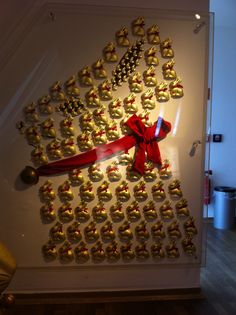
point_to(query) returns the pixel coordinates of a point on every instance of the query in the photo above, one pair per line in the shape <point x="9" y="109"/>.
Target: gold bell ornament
<point x="174" y="189"/>
<point x="189" y="227"/>
<point x="140" y="192"/>
<point x="188" y="246"/>
<point x="38" y="156"/>
<point x="103" y="192"/>
<point x="135" y="82"/>
<point x="84" y="141"/>
<point x="176" y="88"/>
<point x="141" y="252"/>
<point x="67" y="128"/>
<point x="105" y="90"/>
<point x="133" y="211"/>
<point x="99" y="136"/>
<point x="95" y="172"/>
<point x="86" y="121"/>
<point x="125" y="159"/>
<point x="33" y="135"/>
<point x="181" y="207"/>
<point x="48" y="212"/>
<point x="172" y="250"/>
<point x="116" y="108"/>
<point x="157" y="231"/>
<point x="45" y="106"/>
<point x="92" y="97"/>
<point x="98" y="253"/>
<point x="107" y="232"/>
<point x="153" y="37"/>
<point x="147" y="99"/>
<point x="127" y="252"/>
<point x="168" y="70"/>
<point x="54" y="149"/>
<point x="73" y="232"/>
<point x="71" y="88"/>
<point x="150" y="56"/>
<point x="99" y="71"/>
<point x="162" y="94"/>
<point x="166" y="48"/>
<point x="76" y="177"/>
<point x="85" y="77"/>
<point x="116" y="212"/>
<point x="165" y="171"/>
<point x="124" y="128"/>
<point x="66" y="253"/>
<point x="49" y="250"/>
<point x="149" y="172"/>
<point x="68" y="146"/>
<point x="149" y="76"/>
<point x="157" y="250"/>
<point x="166" y="210"/>
<point x="57" y="233"/>
<point x="90" y="232"/>
<point x="47" y="127"/>
<point x="113" y="172"/>
<point x="141" y="232"/>
<point x="138" y="27"/>
<point x="112" y="131"/>
<point x="109" y="52"/>
<point x="65" y="212"/>
<point x="86" y="191"/>
<point x="122" y="37"/>
<point x="125" y="232"/>
<point x="112" y="252"/>
<point x="82" y="212"/>
<point x="100" y="116"/>
<point x="99" y="212"/>
<point x="174" y="231"/>
<point x="64" y="191"/>
<point x="149" y="211"/>
<point x="131" y="174"/>
<point x="144" y="115"/>
<point x="122" y="191"/>
<point x="46" y="192"/>
<point x="81" y="253"/>
<point x="56" y="92"/>
<point x="31" y="114"/>
<point x="130" y="104"/>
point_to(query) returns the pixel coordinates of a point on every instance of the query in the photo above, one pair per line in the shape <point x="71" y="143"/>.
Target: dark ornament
<point x="29" y="175"/>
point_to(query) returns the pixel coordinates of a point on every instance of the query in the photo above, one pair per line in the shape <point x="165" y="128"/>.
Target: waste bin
<point x="224" y="207"/>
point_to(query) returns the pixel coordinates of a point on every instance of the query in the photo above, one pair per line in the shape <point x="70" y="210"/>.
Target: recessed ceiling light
<point x="197" y="16"/>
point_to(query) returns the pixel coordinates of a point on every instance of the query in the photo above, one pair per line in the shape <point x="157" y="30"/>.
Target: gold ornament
<point x="176" y="88"/>
<point x="86" y="192"/>
<point x="85" y="78"/>
<point x="122" y="37"/>
<point x="112" y="131"/>
<point x="173" y="230"/>
<point x="57" y="233"/>
<point x="84" y="141"/>
<point x="153" y="35"/>
<point x="100" y="116"/>
<point x="113" y="172"/>
<point x="157" y="231"/>
<point x="65" y="192"/>
<point x="103" y="192"/>
<point x="76" y="177"/>
<point x="71" y="88"/>
<point x="125" y="233"/>
<point x="47" y="212"/>
<point x="166" y="211"/>
<point x="68" y="146"/>
<point x="130" y="104"/>
<point x="131" y="174"/>
<point x="46" y="192"/>
<point x="32" y="135"/>
<point x="141" y="232"/>
<point x="92" y="97"/>
<point x="112" y="252"/>
<point x="73" y="232"/>
<point x="182" y="208"/>
<point x="99" y="136"/>
<point x="95" y="172"/>
<point x="188" y="246"/>
<point x="47" y="127"/>
<point x="162" y="93"/>
<point x="138" y="27"/>
<point x="116" y="212"/>
<point x="81" y="253"/>
<point x="145" y="118"/>
<point x="31" y="114"/>
<point x="168" y="70"/>
<point x="90" y="232"/>
<point x="99" y="212"/>
<point x="54" y="149"/>
<point x="73" y="106"/>
<point x="122" y="191"/>
<point x="116" y="108"/>
<point x="86" y="121"/>
<point x="124" y="128"/>
<point x="135" y="83"/>
<point x="189" y="227"/>
<point x="147" y="99"/>
<point x="127" y="252"/>
<point x="133" y="211"/>
<point x="140" y="192"/>
<point x="150" y="56"/>
<point x="107" y="232"/>
<point x="38" y="156"/>
<point x="166" y="48"/>
<point x="158" y="192"/>
<point x="105" y="90"/>
<point x="29" y="175"/>
<point x="109" y="52"/>
<point x="67" y="128"/>
<point x="49" y="251"/>
<point x="125" y="159"/>
<point x="56" y="92"/>
<point x="99" y="71"/>
<point x="149" y="211"/>
<point x="157" y="250"/>
<point x="165" y="171"/>
<point x="66" y="253"/>
<point x="141" y="252"/>
<point x="172" y="250"/>
<point x="97" y="252"/>
<point x="174" y="189"/>
<point x="44" y="104"/>
<point x="149" y="172"/>
<point x="65" y="212"/>
<point x="82" y="212"/>
<point x="149" y="77"/>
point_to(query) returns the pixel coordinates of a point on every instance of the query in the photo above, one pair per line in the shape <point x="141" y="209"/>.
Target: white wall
<point x="223" y="155"/>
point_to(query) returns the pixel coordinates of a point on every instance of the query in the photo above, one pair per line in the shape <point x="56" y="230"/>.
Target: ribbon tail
<point x="140" y="158"/>
<point x="153" y="153"/>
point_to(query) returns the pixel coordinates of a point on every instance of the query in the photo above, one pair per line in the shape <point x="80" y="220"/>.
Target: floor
<point x="218" y="285"/>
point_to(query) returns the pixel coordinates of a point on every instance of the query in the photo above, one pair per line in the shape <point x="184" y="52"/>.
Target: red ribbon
<point x="142" y="136"/>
